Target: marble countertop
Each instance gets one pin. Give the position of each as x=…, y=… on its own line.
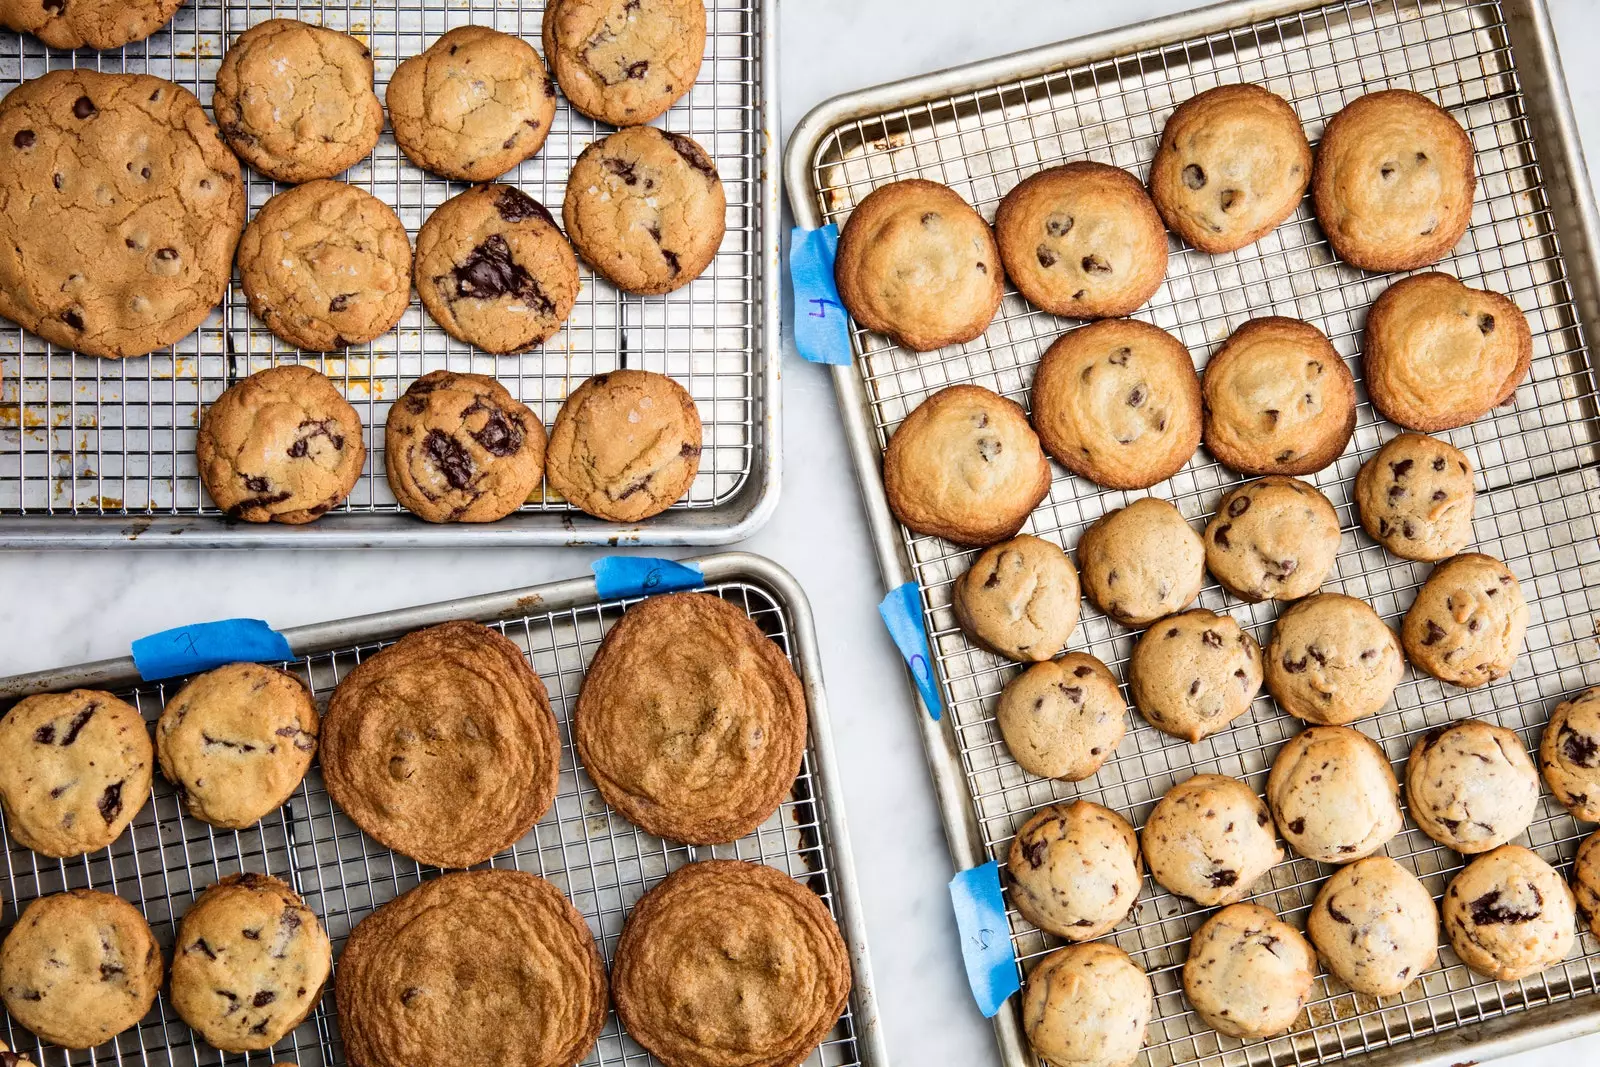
x=68, y=607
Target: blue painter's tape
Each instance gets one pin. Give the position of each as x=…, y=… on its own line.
x=902, y=613
x=205, y=645
x=821, y=329
x=985, y=936
x=625, y=576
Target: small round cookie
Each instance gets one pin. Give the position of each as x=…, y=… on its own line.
x=1087, y=1006
x=1278, y=399
x=1062, y=719
x=1375, y=926
x=249, y=963
x=472, y=106
x=1332, y=660
x=919, y=265
x=646, y=209
x=1082, y=240
x=1142, y=562
x=120, y=212
x=691, y=721
x=1118, y=402
x=1272, y=539
x=1192, y=674
x=1019, y=599
x=1437, y=355
x=965, y=466
x=101, y=24
x=74, y=770
x=1471, y=786
x=624, y=61
x=1586, y=882
x=1333, y=795
x=1467, y=623
x=626, y=445
x=1509, y=914
x=326, y=265
x=13, y=1059
x=1209, y=839
x=494, y=271
x=236, y=742
x=1415, y=497
x=443, y=746
x=1393, y=182
x=1569, y=754
x=281, y=446
x=1248, y=973
x=295, y=101
x=1231, y=165
x=494, y=961
x=461, y=448
x=1075, y=870
x=79, y=967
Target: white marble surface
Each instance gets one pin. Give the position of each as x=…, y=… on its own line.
x=61, y=608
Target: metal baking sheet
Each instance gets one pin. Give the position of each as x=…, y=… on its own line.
x=980, y=130
x=597, y=858
x=100, y=453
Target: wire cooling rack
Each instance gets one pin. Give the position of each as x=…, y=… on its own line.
x=981, y=131
x=597, y=858
x=86, y=444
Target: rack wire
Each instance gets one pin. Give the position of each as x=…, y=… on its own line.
x=1537, y=461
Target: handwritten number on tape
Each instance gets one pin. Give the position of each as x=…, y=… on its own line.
x=616, y=577
x=821, y=326
x=986, y=949
x=902, y=613
x=204, y=645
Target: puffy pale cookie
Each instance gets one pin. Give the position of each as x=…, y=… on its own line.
x=1272, y=539
x=1087, y=1006
x=624, y=61
x=1332, y=660
x=1471, y=785
x=1019, y=599
x=1248, y=973
x=1193, y=674
x=1569, y=754
x=1467, y=623
x=1209, y=839
x=1415, y=497
x=1509, y=914
x=1063, y=718
x=1375, y=926
x=1142, y=562
x=1334, y=795
x=1075, y=870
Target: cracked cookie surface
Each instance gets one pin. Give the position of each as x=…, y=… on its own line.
x=1063, y=718
x=75, y=769
x=1272, y=539
x=236, y=742
x=1510, y=914
x=101, y=24
x=1074, y=869
x=1467, y=623
x=1019, y=599
x=1209, y=839
x=1471, y=785
x=1248, y=973
x=120, y=208
x=1332, y=660
x=1142, y=562
x=1333, y=795
x=1569, y=754
x=1416, y=497
x=1192, y=674
x=1375, y=926
x=624, y=61
x=1087, y=1006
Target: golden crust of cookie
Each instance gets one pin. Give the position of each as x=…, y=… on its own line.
x=1332, y=660
x=1088, y=1006
x=1375, y=926
x=624, y=61
x=1192, y=674
x=697, y=980
x=1074, y=869
x=1467, y=623
x=101, y=24
x=1275, y=538
x=1416, y=497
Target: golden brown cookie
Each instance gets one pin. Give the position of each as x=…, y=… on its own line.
x=1019, y=599
x=624, y=61
x=1569, y=754
x=1062, y=719
x=1416, y=496
x=1272, y=539
x=1467, y=623
x=1142, y=562
x=1192, y=674
x=1332, y=660
x=1375, y=926
x=1510, y=914
x=101, y=24
x=1209, y=838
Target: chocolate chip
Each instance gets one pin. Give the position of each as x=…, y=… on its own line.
x=452, y=460
x=1224, y=878
x=622, y=169
x=110, y=803
x=1082, y=671
x=1400, y=469
x=1194, y=687
x=672, y=262
x=1396, y=492
x=692, y=154
x=45, y=735
x=24, y=139
x=1339, y=916
x=1194, y=177
x=411, y=993
x=1408, y=529
x=257, y=484
x=1488, y=911
x=637, y=70
x=1238, y=506
x=1047, y=258
x=1211, y=639
x=1486, y=324
x=490, y=273
x=1136, y=397
x=1073, y=693
x=1579, y=749
x=1438, y=463
x=514, y=205
x=1220, y=535
x=1298, y=826
x=83, y=107
x=1119, y=358
x=1034, y=852
x=1433, y=633
x=1285, y=456
x=73, y=317
x=499, y=436
x=340, y=303
x=263, y=998
x=1387, y=171
x=79, y=721
x=1058, y=225
x=1272, y=416
x=1294, y=666
x=1094, y=264
x=1230, y=197
x=166, y=255
x=309, y=430
x=251, y=935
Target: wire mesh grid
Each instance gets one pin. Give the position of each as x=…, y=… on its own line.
x=601, y=862
x=80, y=436
x=1538, y=506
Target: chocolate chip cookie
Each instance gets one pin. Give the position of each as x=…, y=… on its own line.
x=280, y=446
x=1586, y=881
x=1333, y=795
x=1074, y=870
x=1278, y=399
x=1142, y=562
x=917, y=264
x=1118, y=402
x=1064, y=718
x=1248, y=973
x=1231, y=165
x=79, y=967
x=1209, y=839
x=696, y=977
x=237, y=741
x=1416, y=497
x=1087, y=1006
x=494, y=270
x=1019, y=599
x=120, y=209
x=13, y=1059
x=1569, y=755
x=101, y=24
x=1439, y=355
x=624, y=61
x=472, y=106
x=1467, y=623
x=1194, y=673
x=74, y=770
x=461, y=448
x=1509, y=914
x=691, y=720
x=493, y=961
x=1273, y=539
x=296, y=101
x=1332, y=660
x=965, y=466
x=1393, y=182
x=249, y=963
x=1471, y=785
x=443, y=746
x=1082, y=240
x=1375, y=926
x=326, y=265
x=626, y=445
x=646, y=209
